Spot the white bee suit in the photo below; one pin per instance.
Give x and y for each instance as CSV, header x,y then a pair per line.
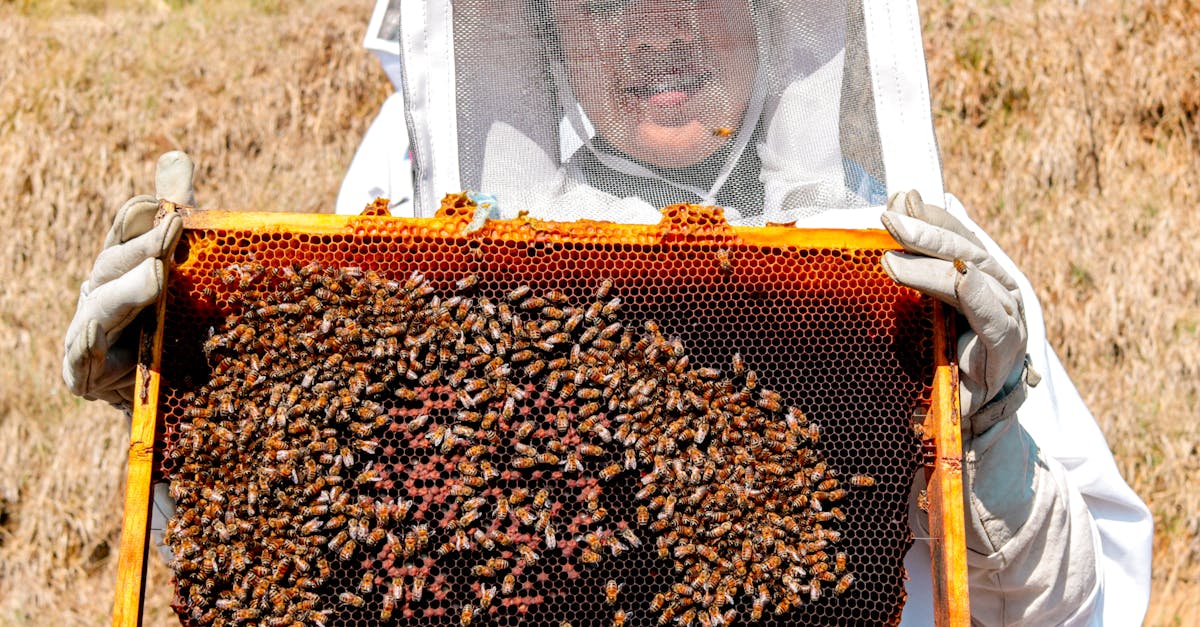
x,y
381,167
829,128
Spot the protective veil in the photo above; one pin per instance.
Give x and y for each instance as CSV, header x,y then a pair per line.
x,y
611,109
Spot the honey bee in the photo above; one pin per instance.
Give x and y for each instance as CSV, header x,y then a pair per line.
x,y
368,476
603,345
722,131
835,495
533,369
724,261
389,606
619,618
524,429
347,550
456,378
591,332
756,610
438,435
422,536
684,550
499,563
715,532
567,390
610,471
551,539
516,496
401,509
611,307
528,554
609,331
588,394
338,540
466,283
572,462
554,313
533,302
668,509
311,527
518,294
508,585
431,377
473,504
238,560
862,481
468,612
406,394
467,518
588,556
417,590
349,598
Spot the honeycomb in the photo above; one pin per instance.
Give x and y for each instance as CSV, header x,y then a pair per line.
x,y
376,420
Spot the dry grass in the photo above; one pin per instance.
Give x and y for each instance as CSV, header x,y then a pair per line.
x,y
1071,132
87,102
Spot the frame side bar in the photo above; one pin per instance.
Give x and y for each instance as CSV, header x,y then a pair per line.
x,y
948,546
131,561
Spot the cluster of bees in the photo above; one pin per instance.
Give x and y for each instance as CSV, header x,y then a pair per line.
x,y
362,439
737,492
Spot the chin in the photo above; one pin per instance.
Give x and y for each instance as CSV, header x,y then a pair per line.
x,y
674,146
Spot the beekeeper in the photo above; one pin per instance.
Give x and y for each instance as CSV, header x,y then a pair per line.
x,y
811,113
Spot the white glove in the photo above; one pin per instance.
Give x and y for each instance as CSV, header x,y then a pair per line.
x,y
947,261
128,275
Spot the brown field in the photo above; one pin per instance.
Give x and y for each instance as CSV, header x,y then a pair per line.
x,y
1072,133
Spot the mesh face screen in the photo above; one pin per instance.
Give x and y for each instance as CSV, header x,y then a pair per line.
x,y
539,424
763,107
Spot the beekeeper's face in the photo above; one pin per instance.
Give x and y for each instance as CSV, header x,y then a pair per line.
x,y
664,81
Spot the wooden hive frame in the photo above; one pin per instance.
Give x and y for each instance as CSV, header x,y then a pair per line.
x,y
939,428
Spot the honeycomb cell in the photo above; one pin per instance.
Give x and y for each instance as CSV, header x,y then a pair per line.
x,y
538,424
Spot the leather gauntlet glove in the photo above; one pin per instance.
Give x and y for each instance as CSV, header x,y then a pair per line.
x,y
947,261
128,275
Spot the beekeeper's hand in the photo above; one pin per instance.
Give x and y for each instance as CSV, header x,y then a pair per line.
x,y
947,261
128,275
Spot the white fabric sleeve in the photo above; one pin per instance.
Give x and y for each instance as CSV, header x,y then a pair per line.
x,y
1080,500
381,167
162,511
